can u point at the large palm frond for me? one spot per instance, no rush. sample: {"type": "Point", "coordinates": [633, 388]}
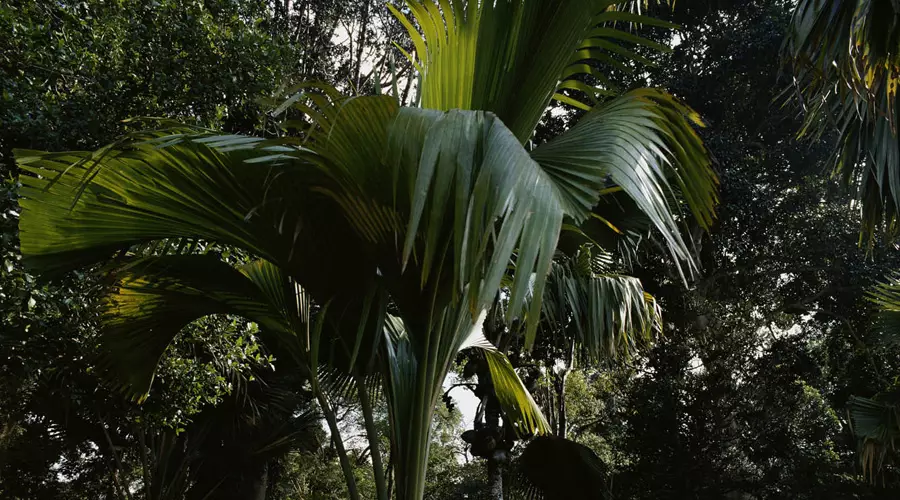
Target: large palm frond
{"type": "Point", "coordinates": [845, 55]}
{"type": "Point", "coordinates": [512, 57]}
{"type": "Point", "coordinates": [644, 144]}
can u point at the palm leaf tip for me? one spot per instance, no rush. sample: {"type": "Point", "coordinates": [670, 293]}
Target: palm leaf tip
{"type": "Point", "coordinates": [516, 402]}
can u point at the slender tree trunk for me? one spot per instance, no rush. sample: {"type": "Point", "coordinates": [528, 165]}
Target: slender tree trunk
{"type": "Point", "coordinates": [497, 458]}
{"type": "Point", "coordinates": [361, 43]}
{"type": "Point", "coordinates": [390, 474]}
{"type": "Point", "coordinates": [120, 489]}
{"type": "Point", "coordinates": [352, 490]}
{"type": "Point", "coordinates": [561, 404]}
{"type": "Point", "coordinates": [561, 429]}
{"type": "Point", "coordinates": [493, 421]}
{"type": "Point", "coordinates": [260, 484]}
{"type": "Point", "coordinates": [409, 79]}
{"type": "Point", "coordinates": [145, 461]}
{"type": "Point", "coordinates": [495, 476]}
{"type": "Point", "coordinates": [372, 434]}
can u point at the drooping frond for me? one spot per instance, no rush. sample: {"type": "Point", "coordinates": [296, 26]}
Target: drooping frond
{"type": "Point", "coordinates": [512, 57]}
{"type": "Point", "coordinates": [642, 142]}
{"type": "Point", "coordinates": [604, 314]}
{"type": "Point", "coordinates": [518, 406]}
{"type": "Point", "coordinates": [876, 422]}
{"type": "Point", "coordinates": [154, 298]}
{"type": "Point", "coordinates": [845, 56]}
{"type": "Point", "coordinates": [78, 207]}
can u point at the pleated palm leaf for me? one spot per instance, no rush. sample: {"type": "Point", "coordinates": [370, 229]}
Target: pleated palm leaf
{"type": "Point", "coordinates": [876, 420]}
{"type": "Point", "coordinates": [602, 313]}
{"type": "Point", "coordinates": [422, 207]}
{"type": "Point", "coordinates": [593, 315]}
{"type": "Point", "coordinates": [845, 56]}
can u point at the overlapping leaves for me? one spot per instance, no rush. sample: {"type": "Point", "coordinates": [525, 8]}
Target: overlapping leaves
{"type": "Point", "coordinates": [513, 57]}
{"type": "Point", "coordinates": [845, 55]}
{"type": "Point", "coordinates": [604, 313]}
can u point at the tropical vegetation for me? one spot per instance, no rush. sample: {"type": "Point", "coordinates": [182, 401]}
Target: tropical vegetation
{"type": "Point", "coordinates": [480, 250]}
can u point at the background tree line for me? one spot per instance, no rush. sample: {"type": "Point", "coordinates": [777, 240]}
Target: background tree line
{"type": "Point", "coordinates": [744, 395]}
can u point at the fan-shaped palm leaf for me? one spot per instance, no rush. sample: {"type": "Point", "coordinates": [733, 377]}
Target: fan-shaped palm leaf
{"type": "Point", "coordinates": [876, 422]}
{"type": "Point", "coordinates": [605, 314]}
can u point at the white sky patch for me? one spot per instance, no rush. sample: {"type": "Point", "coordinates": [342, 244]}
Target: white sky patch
{"type": "Point", "coordinates": [464, 398]}
{"type": "Point", "coordinates": [347, 34]}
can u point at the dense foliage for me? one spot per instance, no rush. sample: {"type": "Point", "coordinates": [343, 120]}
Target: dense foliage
{"type": "Point", "coordinates": [744, 394]}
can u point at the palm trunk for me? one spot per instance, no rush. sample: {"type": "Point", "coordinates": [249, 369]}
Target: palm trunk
{"type": "Point", "coordinates": [372, 434]}
{"type": "Point", "coordinates": [260, 484]}
{"type": "Point", "coordinates": [412, 457]}
{"type": "Point", "coordinates": [121, 490]}
{"type": "Point", "coordinates": [497, 456]}
{"type": "Point", "coordinates": [145, 461]}
{"type": "Point", "coordinates": [561, 404]}
{"type": "Point", "coordinates": [390, 474]}
{"type": "Point", "coordinates": [361, 43]}
{"type": "Point", "coordinates": [495, 477]}
{"type": "Point", "coordinates": [352, 490]}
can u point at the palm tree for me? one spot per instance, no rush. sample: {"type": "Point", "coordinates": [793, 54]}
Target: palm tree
{"type": "Point", "coordinates": [846, 64]}
{"type": "Point", "coordinates": [876, 420]}
{"type": "Point", "coordinates": [591, 314]}
{"type": "Point", "coordinates": [376, 241]}
{"type": "Point", "coordinates": [845, 56]}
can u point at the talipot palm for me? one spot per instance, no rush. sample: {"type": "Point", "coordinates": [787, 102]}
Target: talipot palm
{"type": "Point", "coordinates": [380, 236]}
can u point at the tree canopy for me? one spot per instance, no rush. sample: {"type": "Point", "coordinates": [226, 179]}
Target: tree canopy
{"type": "Point", "coordinates": [446, 249]}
